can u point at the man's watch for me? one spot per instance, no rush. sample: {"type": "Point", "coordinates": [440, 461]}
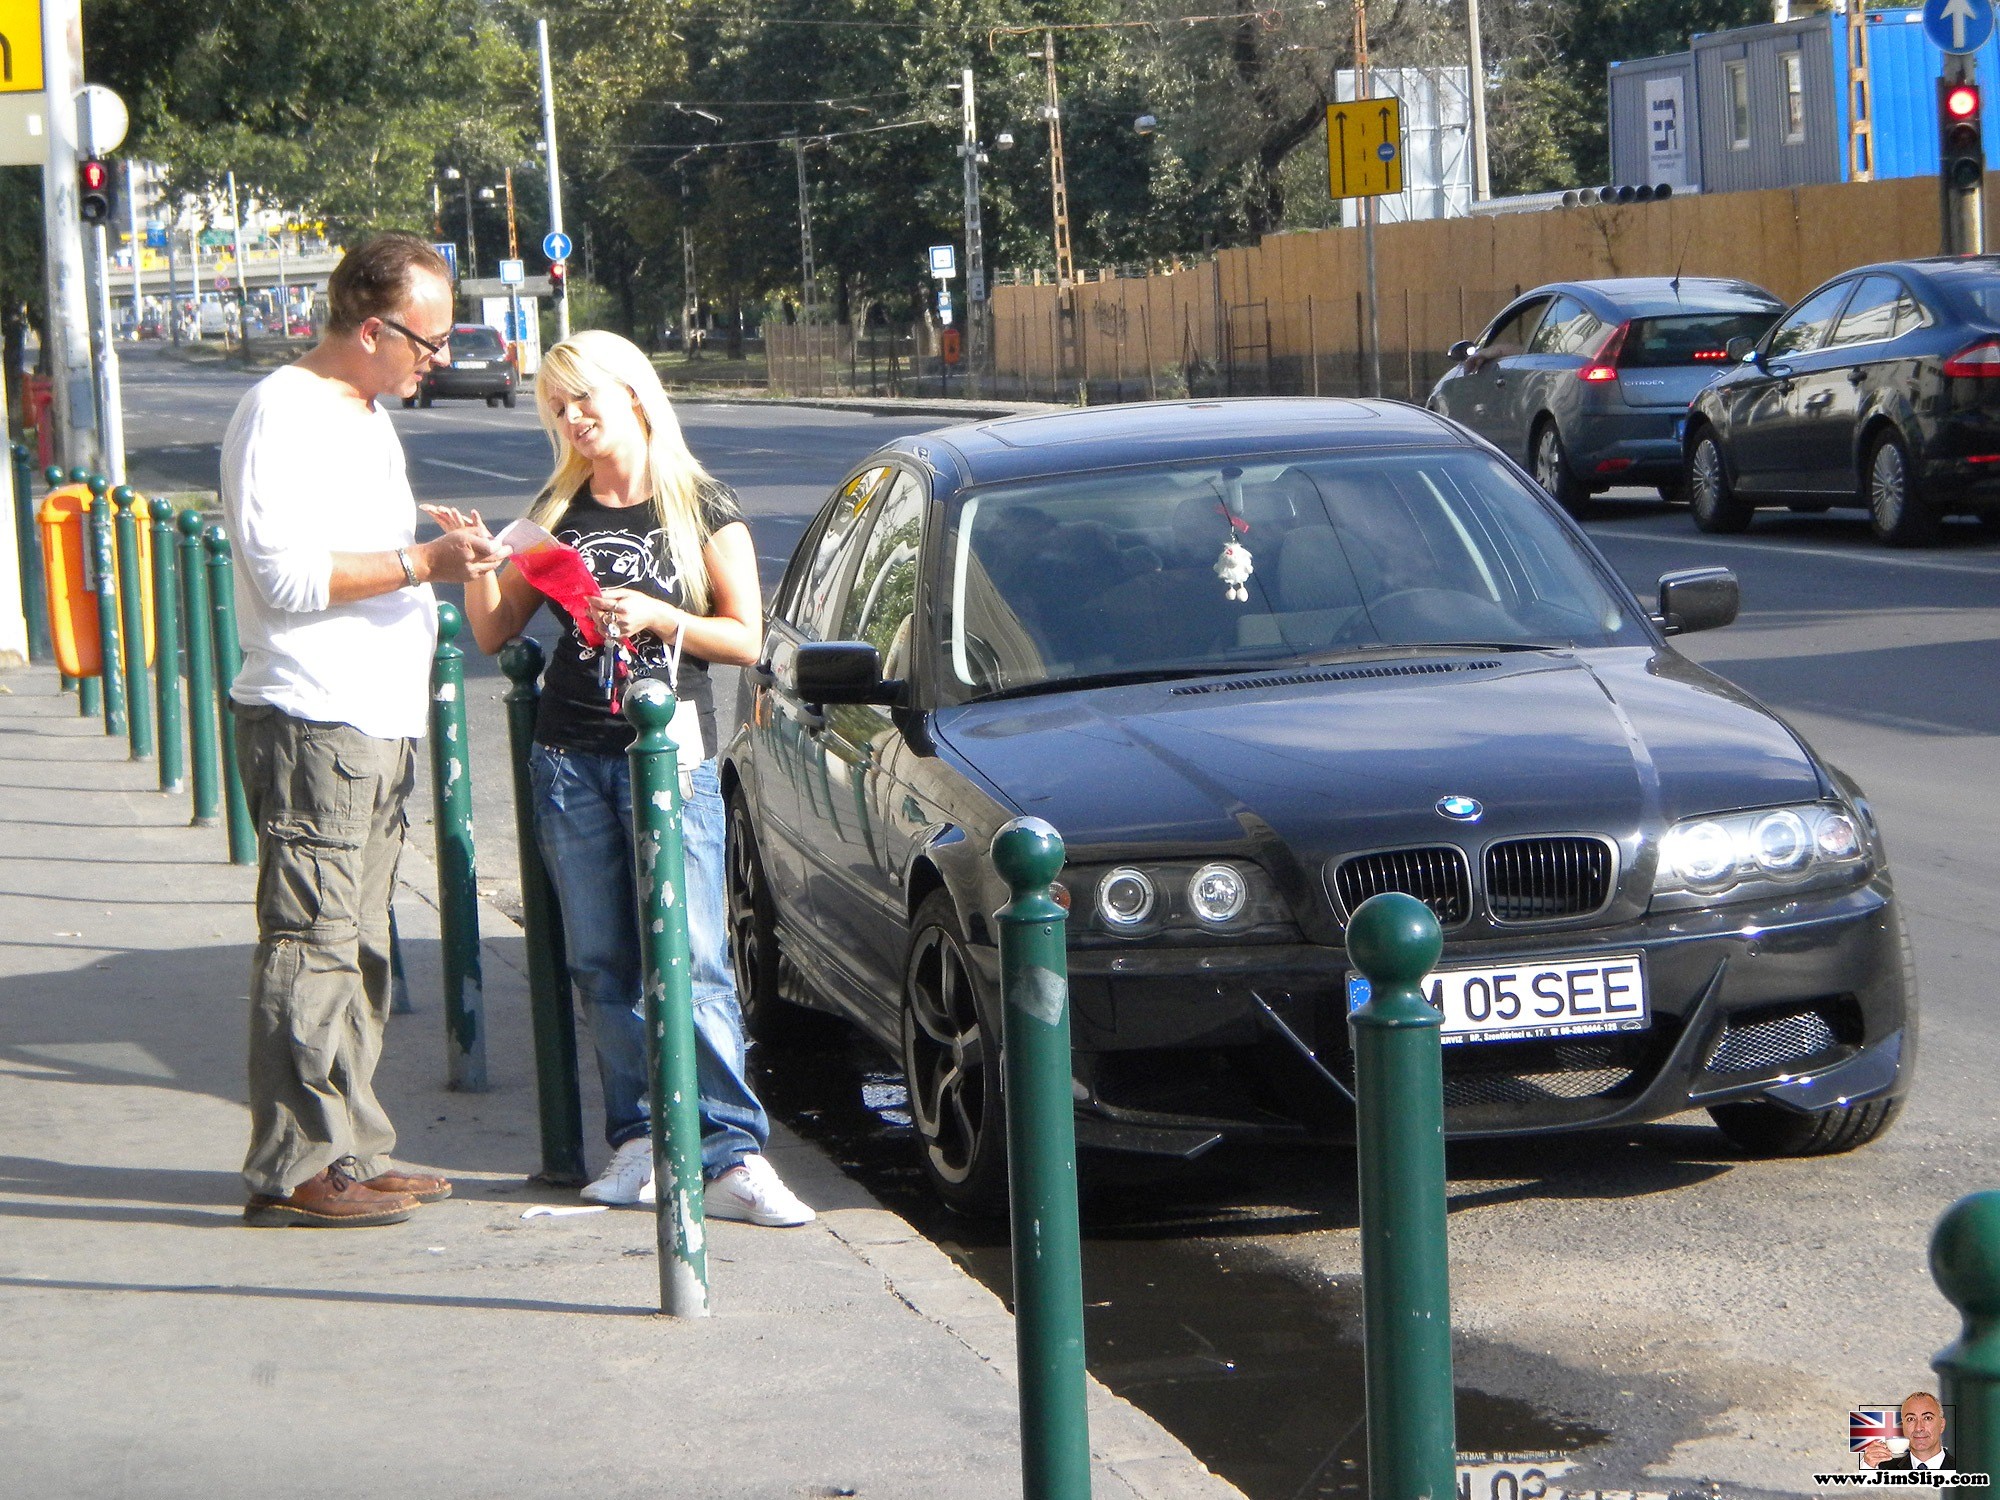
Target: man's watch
{"type": "Point", "coordinates": [409, 568]}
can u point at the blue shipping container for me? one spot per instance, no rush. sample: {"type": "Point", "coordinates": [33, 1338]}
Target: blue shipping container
{"type": "Point", "coordinates": [1903, 70]}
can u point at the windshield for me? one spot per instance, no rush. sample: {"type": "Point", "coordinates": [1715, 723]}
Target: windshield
{"type": "Point", "coordinates": [476, 343]}
{"type": "Point", "coordinates": [1191, 568]}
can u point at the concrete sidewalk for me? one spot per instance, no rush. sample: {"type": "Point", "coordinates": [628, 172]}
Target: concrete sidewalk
{"type": "Point", "coordinates": [153, 1346]}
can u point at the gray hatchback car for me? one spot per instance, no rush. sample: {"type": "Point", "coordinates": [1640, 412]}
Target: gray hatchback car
{"type": "Point", "coordinates": [1588, 382]}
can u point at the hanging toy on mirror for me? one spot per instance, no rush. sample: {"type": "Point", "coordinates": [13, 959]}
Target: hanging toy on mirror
{"type": "Point", "coordinates": [1235, 565]}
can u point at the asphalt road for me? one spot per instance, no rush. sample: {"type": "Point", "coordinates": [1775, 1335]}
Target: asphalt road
{"type": "Point", "coordinates": [1715, 1318]}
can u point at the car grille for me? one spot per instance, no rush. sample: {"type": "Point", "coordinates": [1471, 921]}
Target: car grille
{"type": "Point", "coordinates": [1538, 880]}
{"type": "Point", "coordinates": [1436, 876]}
{"type": "Point", "coordinates": [1761, 1045]}
{"type": "Point", "coordinates": [1576, 1071]}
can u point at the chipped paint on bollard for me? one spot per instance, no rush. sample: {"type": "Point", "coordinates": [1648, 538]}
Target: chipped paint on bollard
{"type": "Point", "coordinates": [1041, 1165]}
{"type": "Point", "coordinates": [201, 704]}
{"type": "Point", "coordinates": [660, 879]}
{"type": "Point", "coordinates": [167, 647]}
{"type": "Point", "coordinates": [457, 867]}
{"type": "Point", "coordinates": [1394, 940]}
{"type": "Point", "coordinates": [128, 509]}
{"type": "Point", "coordinates": [104, 569]}
{"type": "Point", "coordinates": [228, 662]}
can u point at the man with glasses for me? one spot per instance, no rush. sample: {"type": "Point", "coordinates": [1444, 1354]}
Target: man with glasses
{"type": "Point", "coordinates": [338, 627]}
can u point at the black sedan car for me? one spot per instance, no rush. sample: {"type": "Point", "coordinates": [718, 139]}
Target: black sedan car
{"type": "Point", "coordinates": [481, 367]}
{"type": "Point", "coordinates": [1881, 389]}
{"type": "Point", "coordinates": [1587, 381]}
{"type": "Point", "coordinates": [1257, 661]}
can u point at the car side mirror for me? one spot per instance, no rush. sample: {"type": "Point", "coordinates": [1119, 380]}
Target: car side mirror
{"type": "Point", "coordinates": [1740, 348]}
{"type": "Point", "coordinates": [1698, 599]}
{"type": "Point", "coordinates": [839, 672]}
{"type": "Point", "coordinates": [1461, 351]}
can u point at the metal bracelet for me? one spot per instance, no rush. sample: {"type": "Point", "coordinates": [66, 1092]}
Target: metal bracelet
{"type": "Point", "coordinates": [409, 568]}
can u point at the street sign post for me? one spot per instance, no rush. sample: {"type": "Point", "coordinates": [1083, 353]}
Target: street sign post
{"type": "Point", "coordinates": [512, 272]}
{"type": "Point", "coordinates": [944, 262]}
{"type": "Point", "coordinates": [1364, 148]}
{"type": "Point", "coordinates": [21, 47]}
{"type": "Point", "coordinates": [1958, 26]}
{"type": "Point", "coordinates": [556, 245]}
{"type": "Point", "coordinates": [449, 250]}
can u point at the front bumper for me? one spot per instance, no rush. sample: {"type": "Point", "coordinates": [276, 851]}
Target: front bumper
{"type": "Point", "coordinates": [1808, 1003]}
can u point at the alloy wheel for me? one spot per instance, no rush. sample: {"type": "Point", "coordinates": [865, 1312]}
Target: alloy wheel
{"type": "Point", "coordinates": [945, 1055]}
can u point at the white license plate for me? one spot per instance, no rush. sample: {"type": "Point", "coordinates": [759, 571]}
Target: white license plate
{"type": "Point", "coordinates": [469, 364]}
{"type": "Point", "coordinates": [1534, 998]}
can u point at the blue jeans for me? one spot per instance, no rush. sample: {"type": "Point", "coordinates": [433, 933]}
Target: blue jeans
{"type": "Point", "coordinates": [583, 824]}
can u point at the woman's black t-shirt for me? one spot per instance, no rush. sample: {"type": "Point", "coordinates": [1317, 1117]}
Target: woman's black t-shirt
{"type": "Point", "coordinates": [623, 549]}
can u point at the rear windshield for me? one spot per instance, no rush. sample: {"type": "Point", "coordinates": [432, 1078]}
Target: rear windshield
{"type": "Point", "coordinates": [1975, 288]}
{"type": "Point", "coordinates": [476, 343]}
{"type": "Point", "coordinates": [1689, 338]}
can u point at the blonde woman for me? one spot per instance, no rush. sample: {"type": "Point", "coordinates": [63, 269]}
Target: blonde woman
{"type": "Point", "coordinates": [675, 562]}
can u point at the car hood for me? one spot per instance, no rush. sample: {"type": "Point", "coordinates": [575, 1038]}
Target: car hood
{"type": "Point", "coordinates": [1610, 741]}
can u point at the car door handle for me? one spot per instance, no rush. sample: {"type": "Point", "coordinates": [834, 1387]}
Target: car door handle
{"type": "Point", "coordinates": [1781, 372]}
{"type": "Point", "coordinates": [1819, 399]}
{"type": "Point", "coordinates": [1500, 382]}
{"type": "Point", "coordinates": [1856, 375]}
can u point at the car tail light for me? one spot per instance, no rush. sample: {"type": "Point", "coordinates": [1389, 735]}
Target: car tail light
{"type": "Point", "coordinates": [1709, 356]}
{"type": "Point", "coordinates": [1981, 359]}
{"type": "Point", "coordinates": [1604, 364]}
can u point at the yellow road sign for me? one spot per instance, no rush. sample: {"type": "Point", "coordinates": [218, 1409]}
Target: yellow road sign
{"type": "Point", "coordinates": [20, 46]}
{"type": "Point", "coordinates": [1364, 148]}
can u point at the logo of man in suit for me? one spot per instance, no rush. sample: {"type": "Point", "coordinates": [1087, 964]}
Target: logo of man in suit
{"type": "Point", "coordinates": [1921, 1420]}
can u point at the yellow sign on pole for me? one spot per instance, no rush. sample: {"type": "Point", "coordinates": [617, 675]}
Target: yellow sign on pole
{"type": "Point", "coordinates": [1364, 147]}
{"type": "Point", "coordinates": [20, 46]}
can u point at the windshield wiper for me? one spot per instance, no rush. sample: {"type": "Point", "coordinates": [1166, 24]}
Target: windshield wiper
{"type": "Point", "coordinates": [1120, 678]}
{"type": "Point", "coordinates": [1422, 648]}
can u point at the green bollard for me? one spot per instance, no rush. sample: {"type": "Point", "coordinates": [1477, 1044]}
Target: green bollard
{"type": "Point", "coordinates": [1041, 1165]}
{"type": "Point", "coordinates": [132, 611]}
{"type": "Point", "coordinates": [660, 877]}
{"type": "Point", "coordinates": [201, 704]}
{"type": "Point", "coordinates": [549, 1001]}
{"type": "Point", "coordinates": [458, 892]}
{"type": "Point", "coordinates": [104, 569]}
{"type": "Point", "coordinates": [1965, 1264]}
{"type": "Point", "coordinates": [1393, 939]}
{"type": "Point", "coordinates": [28, 537]}
{"type": "Point", "coordinates": [167, 646]}
{"type": "Point", "coordinates": [78, 475]}
{"type": "Point", "coordinates": [228, 662]}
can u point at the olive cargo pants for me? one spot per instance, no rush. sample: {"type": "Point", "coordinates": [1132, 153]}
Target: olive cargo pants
{"type": "Point", "coordinates": [327, 803]}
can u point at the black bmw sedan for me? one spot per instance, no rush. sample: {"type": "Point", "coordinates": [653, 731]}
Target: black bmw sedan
{"type": "Point", "coordinates": [1881, 389]}
{"type": "Point", "coordinates": [1257, 661]}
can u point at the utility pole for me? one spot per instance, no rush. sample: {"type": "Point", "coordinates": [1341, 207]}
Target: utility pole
{"type": "Point", "coordinates": [67, 347]}
{"type": "Point", "coordinates": [555, 173]}
{"type": "Point", "coordinates": [1059, 200]}
{"type": "Point", "coordinates": [1482, 184]}
{"type": "Point", "coordinates": [809, 295]}
{"type": "Point", "coordinates": [1364, 88]}
{"type": "Point", "coordinates": [975, 241]}
{"type": "Point", "coordinates": [132, 223]}
{"type": "Point", "coordinates": [242, 268]}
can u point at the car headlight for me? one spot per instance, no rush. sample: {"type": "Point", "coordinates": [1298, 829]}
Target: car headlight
{"type": "Point", "coordinates": [1707, 857]}
{"type": "Point", "coordinates": [1217, 893]}
{"type": "Point", "coordinates": [1125, 898]}
{"type": "Point", "coordinates": [1217, 899]}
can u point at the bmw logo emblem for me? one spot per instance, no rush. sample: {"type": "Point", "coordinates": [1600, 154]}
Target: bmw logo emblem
{"type": "Point", "coordinates": [1460, 809]}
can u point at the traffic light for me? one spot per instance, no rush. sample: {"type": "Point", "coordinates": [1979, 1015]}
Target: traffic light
{"type": "Point", "coordinates": [558, 274]}
{"type": "Point", "coordinates": [1961, 153]}
{"type": "Point", "coordinates": [93, 191]}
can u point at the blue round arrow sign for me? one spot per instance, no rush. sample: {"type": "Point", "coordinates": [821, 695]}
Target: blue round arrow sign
{"type": "Point", "coordinates": [1958, 26]}
{"type": "Point", "coordinates": [556, 245]}
{"type": "Point", "coordinates": [1387, 151]}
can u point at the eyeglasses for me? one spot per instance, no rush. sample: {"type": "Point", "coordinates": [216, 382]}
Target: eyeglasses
{"type": "Point", "coordinates": [435, 348]}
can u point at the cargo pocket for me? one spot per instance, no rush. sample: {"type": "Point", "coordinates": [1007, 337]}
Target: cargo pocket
{"type": "Point", "coordinates": [309, 882]}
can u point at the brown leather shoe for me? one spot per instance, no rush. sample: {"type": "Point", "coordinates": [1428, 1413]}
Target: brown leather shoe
{"type": "Point", "coordinates": [328, 1200]}
{"type": "Point", "coordinates": [422, 1186]}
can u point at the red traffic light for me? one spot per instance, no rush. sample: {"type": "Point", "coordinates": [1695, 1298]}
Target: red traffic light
{"type": "Point", "coordinates": [93, 197]}
{"type": "Point", "coordinates": [558, 272]}
{"type": "Point", "coordinates": [94, 175]}
{"type": "Point", "coordinates": [1961, 101]}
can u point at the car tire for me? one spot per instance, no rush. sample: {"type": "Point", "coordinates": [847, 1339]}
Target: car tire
{"type": "Point", "coordinates": [768, 1017]}
{"type": "Point", "coordinates": [491, 402]}
{"type": "Point", "coordinates": [951, 1064]}
{"type": "Point", "coordinates": [424, 400]}
{"type": "Point", "coordinates": [1550, 463]}
{"type": "Point", "coordinates": [1898, 513]}
{"type": "Point", "coordinates": [1674, 491]}
{"type": "Point", "coordinates": [1766, 1130]}
{"type": "Point", "coordinates": [508, 400]}
{"type": "Point", "coordinates": [1716, 506]}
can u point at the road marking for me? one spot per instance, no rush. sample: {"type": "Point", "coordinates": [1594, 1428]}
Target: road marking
{"type": "Point", "coordinates": [1886, 559]}
{"type": "Point", "coordinates": [445, 463]}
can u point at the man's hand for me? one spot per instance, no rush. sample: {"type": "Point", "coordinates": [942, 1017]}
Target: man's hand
{"type": "Point", "coordinates": [459, 556]}
{"type": "Point", "coordinates": [1875, 1453]}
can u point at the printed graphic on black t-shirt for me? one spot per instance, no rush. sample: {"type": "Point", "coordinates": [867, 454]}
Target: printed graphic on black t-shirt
{"type": "Point", "coordinates": [623, 550]}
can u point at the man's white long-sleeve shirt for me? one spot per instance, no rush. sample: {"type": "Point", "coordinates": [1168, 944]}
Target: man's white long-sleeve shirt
{"type": "Point", "coordinates": [306, 473]}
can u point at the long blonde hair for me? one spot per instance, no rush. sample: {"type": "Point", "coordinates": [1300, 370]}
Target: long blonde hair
{"type": "Point", "coordinates": [595, 360]}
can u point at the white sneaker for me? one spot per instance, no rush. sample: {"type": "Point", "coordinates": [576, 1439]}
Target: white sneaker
{"type": "Point", "coordinates": [628, 1177]}
{"type": "Point", "coordinates": [751, 1192]}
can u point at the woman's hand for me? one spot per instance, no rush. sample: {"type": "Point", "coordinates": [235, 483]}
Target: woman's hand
{"type": "Point", "coordinates": [628, 612]}
{"type": "Point", "coordinates": [451, 518]}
